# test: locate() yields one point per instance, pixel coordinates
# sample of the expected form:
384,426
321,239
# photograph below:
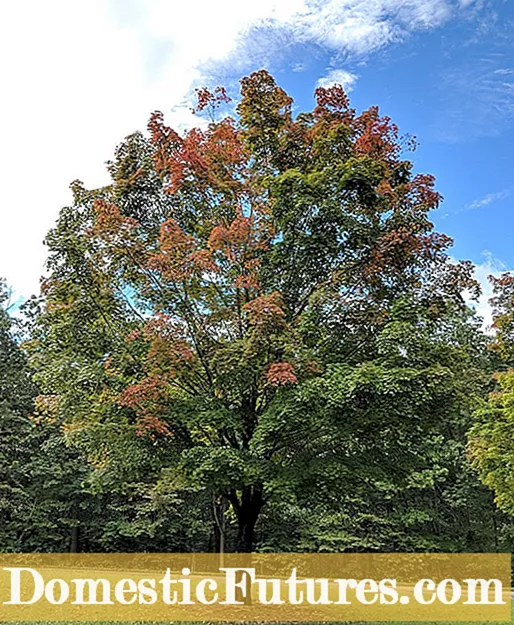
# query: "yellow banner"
255,587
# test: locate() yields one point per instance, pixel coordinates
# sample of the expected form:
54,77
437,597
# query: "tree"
225,309
491,443
16,395
428,377
16,388
41,496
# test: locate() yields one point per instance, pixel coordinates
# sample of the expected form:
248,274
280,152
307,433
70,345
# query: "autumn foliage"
239,260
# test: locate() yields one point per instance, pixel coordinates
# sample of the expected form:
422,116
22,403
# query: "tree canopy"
256,318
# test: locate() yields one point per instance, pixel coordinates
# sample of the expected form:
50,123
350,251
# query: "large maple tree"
230,307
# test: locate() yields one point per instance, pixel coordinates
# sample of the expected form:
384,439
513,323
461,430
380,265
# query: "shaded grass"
257,623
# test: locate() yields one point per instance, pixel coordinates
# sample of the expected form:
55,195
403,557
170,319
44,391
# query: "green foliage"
253,335
492,442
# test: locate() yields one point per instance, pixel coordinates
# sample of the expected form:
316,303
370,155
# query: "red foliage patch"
280,374
265,308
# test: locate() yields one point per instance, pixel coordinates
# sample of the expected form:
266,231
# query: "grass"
239,623
255,623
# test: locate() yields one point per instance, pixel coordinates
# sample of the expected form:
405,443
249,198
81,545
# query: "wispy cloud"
81,75
353,27
481,202
490,198
490,266
477,93
362,26
339,77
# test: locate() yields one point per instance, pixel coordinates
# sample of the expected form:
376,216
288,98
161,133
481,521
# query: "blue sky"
82,75
453,87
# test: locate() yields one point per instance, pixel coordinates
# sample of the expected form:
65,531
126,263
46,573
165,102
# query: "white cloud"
360,26
489,267
488,199
481,202
78,76
339,77
476,95
75,81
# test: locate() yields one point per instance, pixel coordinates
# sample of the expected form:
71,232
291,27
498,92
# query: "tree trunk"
245,535
74,539
247,515
219,508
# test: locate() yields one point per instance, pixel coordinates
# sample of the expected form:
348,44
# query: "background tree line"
253,338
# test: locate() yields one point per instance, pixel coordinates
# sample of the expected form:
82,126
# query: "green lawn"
239,623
